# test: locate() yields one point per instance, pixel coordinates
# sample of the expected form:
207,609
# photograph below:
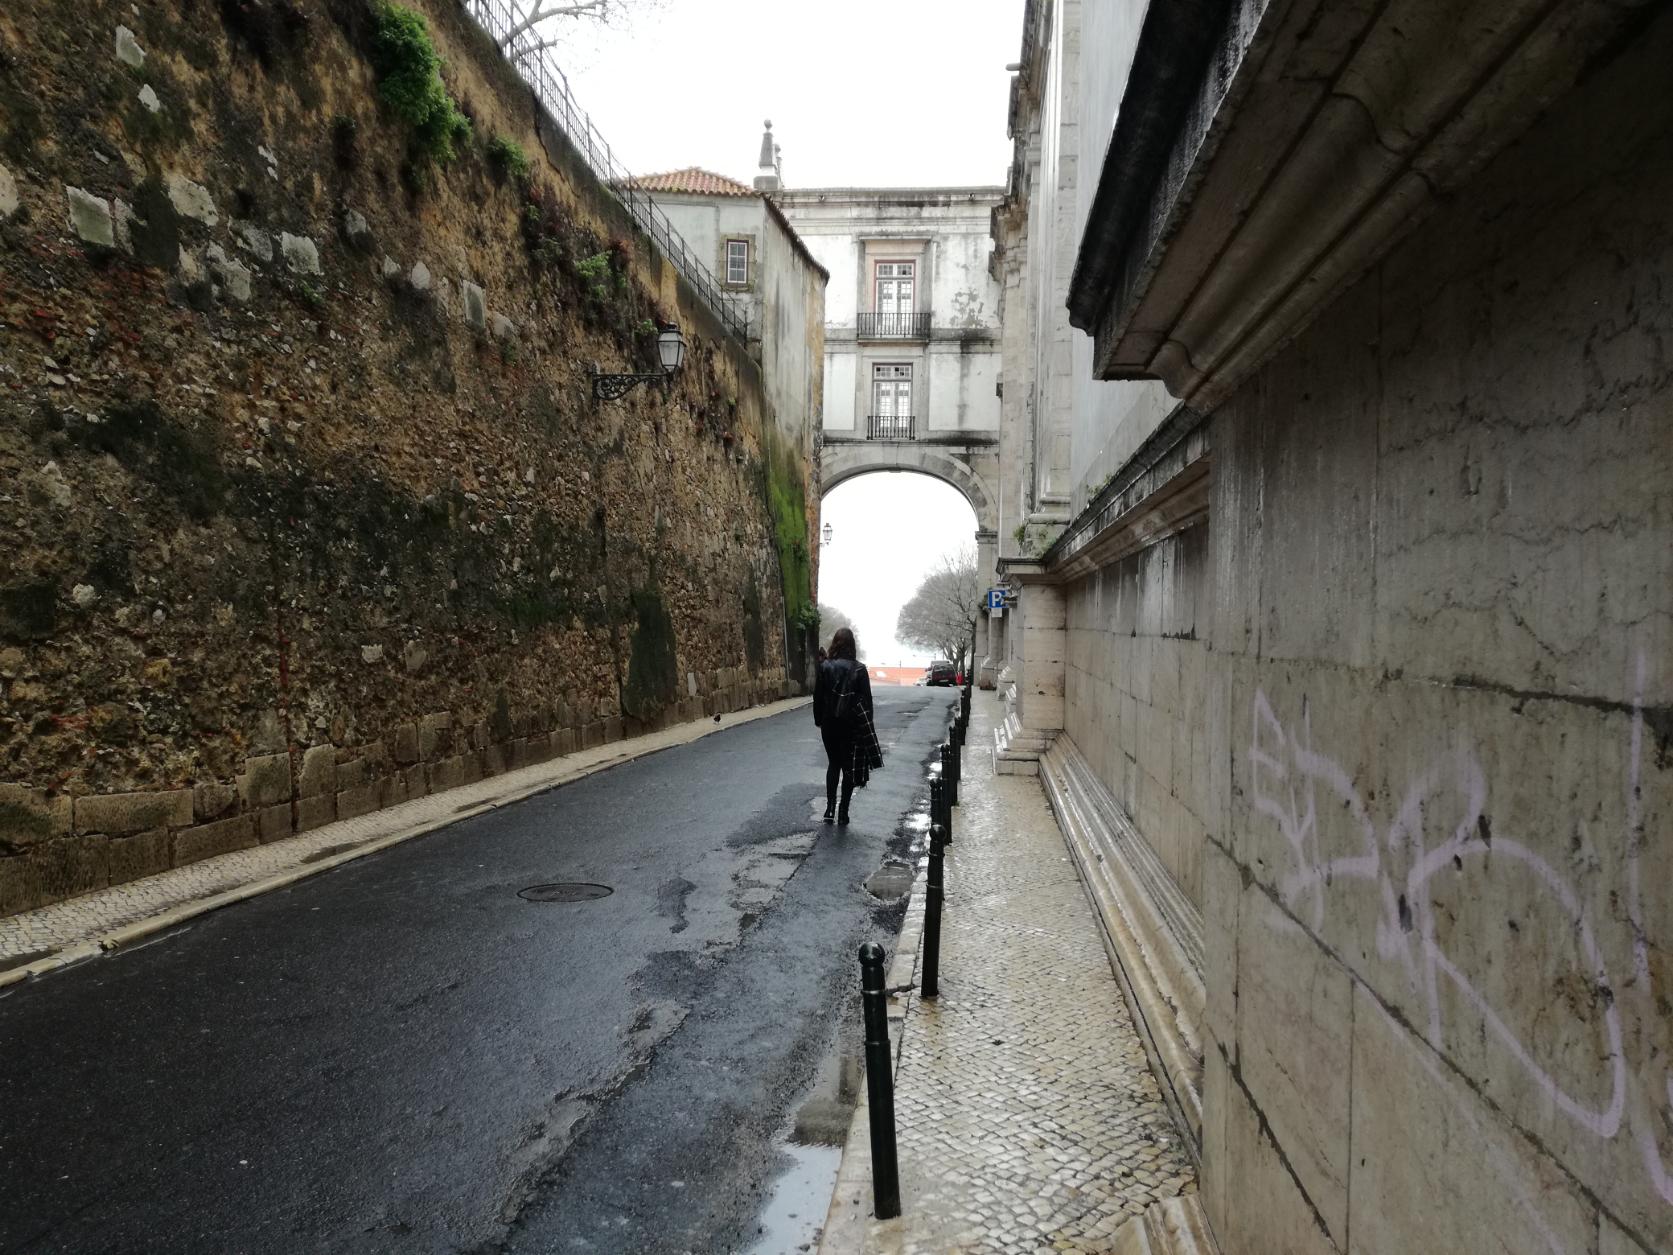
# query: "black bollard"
880,1084
931,983
948,799
938,812
957,760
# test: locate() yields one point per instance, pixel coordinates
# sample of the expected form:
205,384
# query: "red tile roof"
695,180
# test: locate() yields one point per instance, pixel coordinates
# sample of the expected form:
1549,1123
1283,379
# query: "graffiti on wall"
1441,822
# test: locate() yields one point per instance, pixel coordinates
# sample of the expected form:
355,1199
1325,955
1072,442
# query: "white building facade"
912,341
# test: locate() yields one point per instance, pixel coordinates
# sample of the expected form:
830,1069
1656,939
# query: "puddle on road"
794,1214
890,882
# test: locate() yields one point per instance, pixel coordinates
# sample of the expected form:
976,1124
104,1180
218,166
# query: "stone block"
353,774
492,760
394,790
90,217
29,816
404,745
319,771
592,735
435,735
563,741
252,239
190,200
316,812
273,823
236,279
221,837
362,799
143,854
1261,1210
123,814
420,277
300,253
128,51
502,327
1437,1169
9,200
1614,1240
56,870
613,728
476,305
211,801
1222,886
1294,1046
417,782
266,780
449,773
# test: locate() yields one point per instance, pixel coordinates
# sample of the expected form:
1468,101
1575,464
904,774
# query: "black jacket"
833,673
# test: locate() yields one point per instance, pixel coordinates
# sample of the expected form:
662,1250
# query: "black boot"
842,812
830,811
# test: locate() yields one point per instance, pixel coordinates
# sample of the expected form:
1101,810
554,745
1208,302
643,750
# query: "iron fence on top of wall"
532,59
891,427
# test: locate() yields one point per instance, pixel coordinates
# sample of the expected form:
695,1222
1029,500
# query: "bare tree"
831,621
548,19
942,614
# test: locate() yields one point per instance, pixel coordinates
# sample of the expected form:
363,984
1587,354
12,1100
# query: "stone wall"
306,505
1414,682
1437,892
1136,677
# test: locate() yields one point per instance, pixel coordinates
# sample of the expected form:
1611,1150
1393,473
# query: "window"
894,288
891,401
737,262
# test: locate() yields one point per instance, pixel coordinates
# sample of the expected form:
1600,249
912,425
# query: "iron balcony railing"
531,55
894,326
891,427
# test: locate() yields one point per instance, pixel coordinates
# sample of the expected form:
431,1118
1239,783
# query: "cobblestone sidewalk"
1028,1119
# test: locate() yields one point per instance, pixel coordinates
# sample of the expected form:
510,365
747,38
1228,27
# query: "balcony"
891,427
913,326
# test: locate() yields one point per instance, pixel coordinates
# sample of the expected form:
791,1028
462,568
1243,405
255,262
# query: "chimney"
766,178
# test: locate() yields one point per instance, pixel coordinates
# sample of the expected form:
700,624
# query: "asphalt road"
403,1054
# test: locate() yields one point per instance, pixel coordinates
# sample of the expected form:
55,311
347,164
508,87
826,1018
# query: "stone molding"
1313,142
1152,930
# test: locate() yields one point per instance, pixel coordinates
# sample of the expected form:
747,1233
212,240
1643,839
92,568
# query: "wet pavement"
405,1054
1027,1116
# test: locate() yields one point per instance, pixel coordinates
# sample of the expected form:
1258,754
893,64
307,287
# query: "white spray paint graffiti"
1288,776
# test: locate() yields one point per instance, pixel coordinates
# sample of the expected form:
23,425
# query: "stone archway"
970,467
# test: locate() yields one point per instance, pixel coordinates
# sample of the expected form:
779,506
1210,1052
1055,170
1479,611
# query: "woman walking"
842,712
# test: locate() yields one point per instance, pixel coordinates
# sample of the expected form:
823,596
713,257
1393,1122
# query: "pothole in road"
890,882
566,891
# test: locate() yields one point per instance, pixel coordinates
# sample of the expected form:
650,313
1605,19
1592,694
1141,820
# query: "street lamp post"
825,537
670,350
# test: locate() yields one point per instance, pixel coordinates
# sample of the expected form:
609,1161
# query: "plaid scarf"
867,751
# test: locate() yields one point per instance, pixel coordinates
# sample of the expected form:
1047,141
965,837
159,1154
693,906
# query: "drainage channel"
794,1213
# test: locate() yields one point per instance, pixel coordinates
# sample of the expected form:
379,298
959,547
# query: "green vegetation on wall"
409,78
653,673
786,497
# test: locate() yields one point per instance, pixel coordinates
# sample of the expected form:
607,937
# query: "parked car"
940,673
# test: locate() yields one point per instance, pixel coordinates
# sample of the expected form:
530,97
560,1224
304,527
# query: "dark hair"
842,645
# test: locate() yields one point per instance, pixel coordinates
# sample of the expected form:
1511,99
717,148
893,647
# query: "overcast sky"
875,93
867,93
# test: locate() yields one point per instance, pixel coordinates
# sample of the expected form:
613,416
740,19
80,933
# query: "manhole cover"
569,891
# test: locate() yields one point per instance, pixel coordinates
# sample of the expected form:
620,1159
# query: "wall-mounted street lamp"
825,536
670,350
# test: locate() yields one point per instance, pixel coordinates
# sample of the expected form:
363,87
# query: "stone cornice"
1314,137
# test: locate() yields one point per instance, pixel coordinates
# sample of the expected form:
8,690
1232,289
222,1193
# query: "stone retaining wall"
305,502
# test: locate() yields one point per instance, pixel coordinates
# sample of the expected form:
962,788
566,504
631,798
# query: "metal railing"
891,427
893,326
529,54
